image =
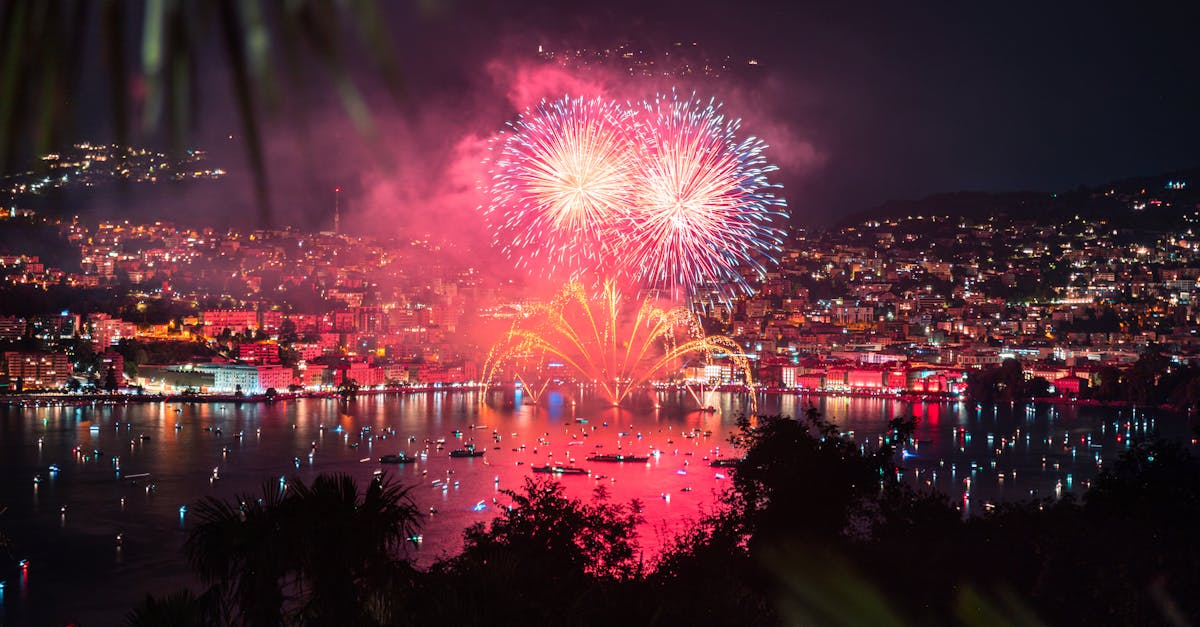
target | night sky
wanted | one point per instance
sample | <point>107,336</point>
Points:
<point>862,103</point>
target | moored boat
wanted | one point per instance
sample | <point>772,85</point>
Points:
<point>466,452</point>
<point>617,458</point>
<point>400,458</point>
<point>560,470</point>
<point>724,463</point>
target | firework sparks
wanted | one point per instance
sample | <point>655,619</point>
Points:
<point>663,191</point>
<point>561,182</point>
<point>705,208</point>
<point>603,341</point>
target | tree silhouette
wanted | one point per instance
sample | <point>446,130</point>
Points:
<point>543,525</point>
<point>110,380</point>
<point>545,559</point>
<point>348,389</point>
<point>180,609</point>
<point>312,553</point>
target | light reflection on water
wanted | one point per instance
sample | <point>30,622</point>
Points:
<point>78,572</point>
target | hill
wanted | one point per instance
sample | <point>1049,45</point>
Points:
<point>1157,201</point>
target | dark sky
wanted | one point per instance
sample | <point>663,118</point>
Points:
<point>862,102</point>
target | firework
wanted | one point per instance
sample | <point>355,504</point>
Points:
<point>561,182</point>
<point>705,210</point>
<point>662,191</point>
<point>605,342</point>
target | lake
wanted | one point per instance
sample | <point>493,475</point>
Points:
<point>128,470</point>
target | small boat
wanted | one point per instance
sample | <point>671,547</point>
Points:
<point>466,452</point>
<point>400,458</point>
<point>618,458</point>
<point>724,463</point>
<point>560,470</point>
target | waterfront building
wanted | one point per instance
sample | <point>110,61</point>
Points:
<point>230,378</point>
<point>37,370</point>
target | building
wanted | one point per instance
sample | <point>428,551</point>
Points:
<point>174,379</point>
<point>315,376</point>
<point>37,370</point>
<point>865,378</point>
<point>12,327</point>
<point>259,352</point>
<point>365,375</point>
<point>108,331</point>
<point>116,361</point>
<point>232,378</point>
<point>1070,385</point>
<point>236,320</point>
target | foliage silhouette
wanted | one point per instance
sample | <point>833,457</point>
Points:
<point>814,529</point>
<point>304,550</point>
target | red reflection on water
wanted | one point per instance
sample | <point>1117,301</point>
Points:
<point>931,414</point>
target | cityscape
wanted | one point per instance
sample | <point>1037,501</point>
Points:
<point>910,305</point>
<point>659,322</point>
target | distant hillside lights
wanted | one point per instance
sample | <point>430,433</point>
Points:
<point>86,165</point>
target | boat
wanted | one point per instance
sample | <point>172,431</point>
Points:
<point>401,458</point>
<point>724,463</point>
<point>617,458</point>
<point>466,452</point>
<point>560,470</point>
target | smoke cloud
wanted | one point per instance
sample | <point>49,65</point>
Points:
<point>438,159</point>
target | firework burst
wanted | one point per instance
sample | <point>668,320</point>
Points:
<point>705,210</point>
<point>662,191</point>
<point>561,182</point>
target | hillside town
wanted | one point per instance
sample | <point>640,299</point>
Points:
<point>990,308</point>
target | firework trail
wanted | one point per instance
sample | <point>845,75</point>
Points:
<point>561,182</point>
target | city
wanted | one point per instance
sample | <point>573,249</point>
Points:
<point>670,312</point>
<point>901,306</point>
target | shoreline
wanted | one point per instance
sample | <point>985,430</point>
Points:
<point>55,398</point>
<point>65,399</point>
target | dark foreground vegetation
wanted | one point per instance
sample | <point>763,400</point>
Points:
<point>811,531</point>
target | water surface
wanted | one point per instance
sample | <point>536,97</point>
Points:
<point>66,525</point>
